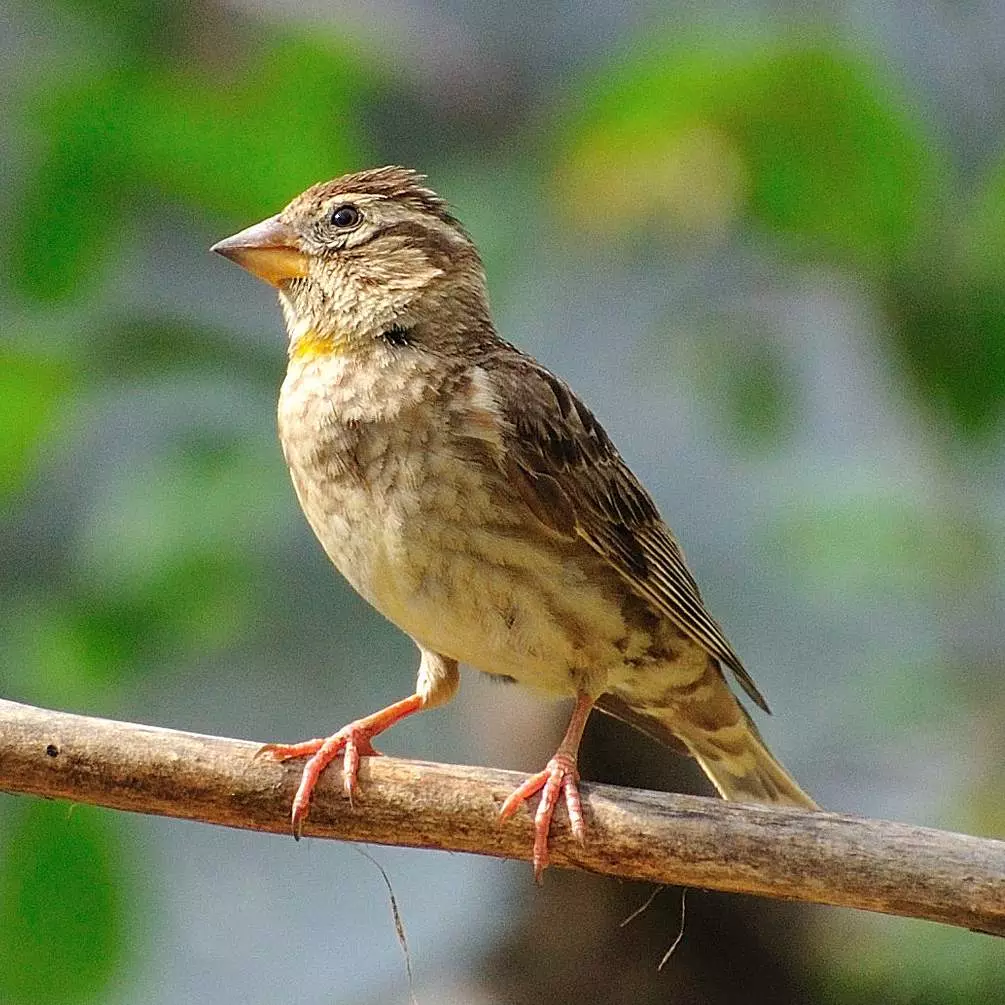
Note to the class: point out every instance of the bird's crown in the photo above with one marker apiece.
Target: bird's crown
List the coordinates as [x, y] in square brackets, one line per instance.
[392, 182]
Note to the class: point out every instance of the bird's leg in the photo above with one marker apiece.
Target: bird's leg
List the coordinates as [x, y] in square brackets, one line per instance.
[560, 777]
[354, 739]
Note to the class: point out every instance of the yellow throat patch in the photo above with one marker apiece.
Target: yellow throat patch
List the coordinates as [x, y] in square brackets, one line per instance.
[310, 345]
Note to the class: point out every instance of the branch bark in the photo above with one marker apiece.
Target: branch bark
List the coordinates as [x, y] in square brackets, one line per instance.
[824, 858]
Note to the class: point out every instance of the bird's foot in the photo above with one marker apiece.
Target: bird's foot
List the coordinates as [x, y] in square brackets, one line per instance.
[352, 741]
[560, 777]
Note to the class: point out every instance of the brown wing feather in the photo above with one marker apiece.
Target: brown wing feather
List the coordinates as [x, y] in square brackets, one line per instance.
[576, 482]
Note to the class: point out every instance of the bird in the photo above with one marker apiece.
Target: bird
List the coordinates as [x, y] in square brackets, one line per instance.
[472, 498]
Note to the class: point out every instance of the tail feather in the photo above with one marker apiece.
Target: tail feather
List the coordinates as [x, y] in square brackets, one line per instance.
[721, 736]
[742, 768]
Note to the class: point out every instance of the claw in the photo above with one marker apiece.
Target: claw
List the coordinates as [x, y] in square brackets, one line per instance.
[353, 741]
[559, 778]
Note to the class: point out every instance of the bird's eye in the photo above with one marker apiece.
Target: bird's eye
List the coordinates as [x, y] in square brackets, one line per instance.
[346, 217]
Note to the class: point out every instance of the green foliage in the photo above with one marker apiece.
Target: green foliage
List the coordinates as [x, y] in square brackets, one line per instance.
[236, 144]
[948, 315]
[809, 141]
[748, 384]
[950, 333]
[921, 963]
[816, 147]
[164, 567]
[64, 649]
[862, 541]
[759, 394]
[290, 112]
[62, 914]
[133, 348]
[32, 388]
[983, 228]
[132, 29]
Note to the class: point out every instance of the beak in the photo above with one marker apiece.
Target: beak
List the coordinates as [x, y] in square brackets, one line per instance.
[267, 250]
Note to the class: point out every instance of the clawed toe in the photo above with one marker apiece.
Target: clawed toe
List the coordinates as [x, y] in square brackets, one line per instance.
[351, 741]
[559, 778]
[289, 751]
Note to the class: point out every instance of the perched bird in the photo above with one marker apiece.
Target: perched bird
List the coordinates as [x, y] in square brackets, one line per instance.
[471, 497]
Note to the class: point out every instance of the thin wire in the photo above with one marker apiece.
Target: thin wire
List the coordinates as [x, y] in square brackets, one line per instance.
[399, 925]
[648, 903]
[639, 910]
[680, 934]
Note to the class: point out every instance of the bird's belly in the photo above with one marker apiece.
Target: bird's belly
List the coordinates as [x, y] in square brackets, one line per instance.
[447, 568]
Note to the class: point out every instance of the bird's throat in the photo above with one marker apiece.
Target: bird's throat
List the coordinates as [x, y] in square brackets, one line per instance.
[307, 343]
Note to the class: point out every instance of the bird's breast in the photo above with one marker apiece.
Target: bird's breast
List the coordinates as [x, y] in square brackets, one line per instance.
[388, 488]
[415, 513]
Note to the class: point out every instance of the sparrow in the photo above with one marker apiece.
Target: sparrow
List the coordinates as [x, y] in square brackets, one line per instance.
[474, 500]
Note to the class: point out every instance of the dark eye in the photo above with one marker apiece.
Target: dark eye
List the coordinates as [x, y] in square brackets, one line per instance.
[346, 217]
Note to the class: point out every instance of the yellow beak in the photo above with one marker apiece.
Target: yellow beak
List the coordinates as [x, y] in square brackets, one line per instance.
[267, 250]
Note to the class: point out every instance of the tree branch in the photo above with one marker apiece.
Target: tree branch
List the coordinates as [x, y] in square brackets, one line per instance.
[825, 858]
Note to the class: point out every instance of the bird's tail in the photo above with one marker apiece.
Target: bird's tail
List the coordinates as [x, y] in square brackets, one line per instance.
[742, 768]
[723, 739]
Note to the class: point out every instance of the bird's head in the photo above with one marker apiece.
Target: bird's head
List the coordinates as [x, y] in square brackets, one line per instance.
[361, 255]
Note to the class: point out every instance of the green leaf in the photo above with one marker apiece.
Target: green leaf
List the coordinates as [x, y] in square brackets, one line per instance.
[236, 144]
[70, 212]
[876, 959]
[241, 145]
[748, 385]
[949, 332]
[866, 541]
[130, 27]
[948, 316]
[137, 346]
[169, 541]
[806, 140]
[62, 650]
[31, 391]
[62, 930]
[983, 229]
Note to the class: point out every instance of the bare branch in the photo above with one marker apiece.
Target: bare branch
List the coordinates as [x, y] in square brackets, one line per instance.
[825, 858]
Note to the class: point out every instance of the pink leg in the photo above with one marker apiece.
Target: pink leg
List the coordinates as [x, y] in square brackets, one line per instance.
[354, 739]
[560, 777]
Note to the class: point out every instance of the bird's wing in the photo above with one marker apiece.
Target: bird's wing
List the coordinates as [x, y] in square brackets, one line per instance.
[575, 482]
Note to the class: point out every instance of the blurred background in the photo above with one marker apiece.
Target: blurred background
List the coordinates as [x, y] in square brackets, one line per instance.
[765, 241]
